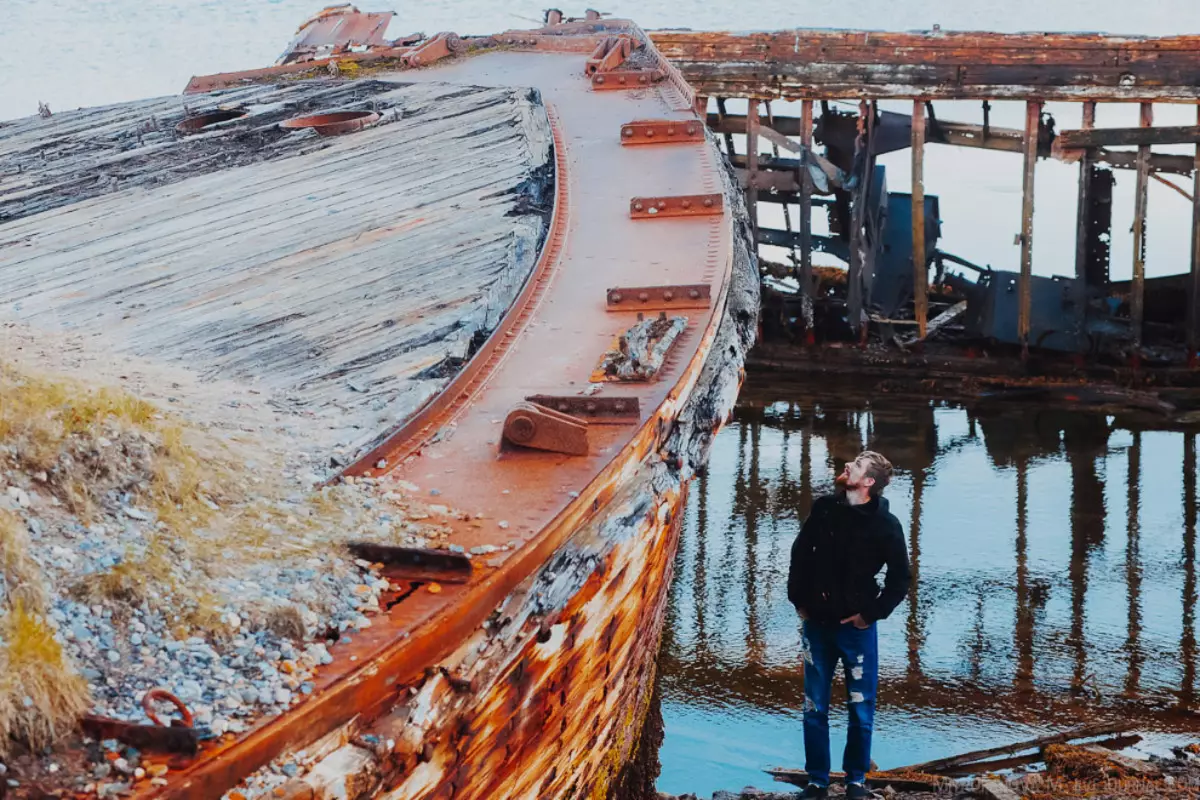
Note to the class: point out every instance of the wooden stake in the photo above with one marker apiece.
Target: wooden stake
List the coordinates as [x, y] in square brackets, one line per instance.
[752, 122]
[920, 278]
[1082, 215]
[1137, 296]
[1193, 321]
[1033, 115]
[806, 272]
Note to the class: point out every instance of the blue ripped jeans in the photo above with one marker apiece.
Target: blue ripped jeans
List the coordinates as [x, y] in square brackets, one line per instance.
[824, 645]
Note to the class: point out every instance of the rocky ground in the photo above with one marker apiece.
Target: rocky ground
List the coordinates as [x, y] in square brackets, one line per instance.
[1067, 773]
[158, 531]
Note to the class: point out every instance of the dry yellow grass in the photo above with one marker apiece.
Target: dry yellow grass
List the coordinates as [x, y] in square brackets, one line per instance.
[20, 579]
[41, 695]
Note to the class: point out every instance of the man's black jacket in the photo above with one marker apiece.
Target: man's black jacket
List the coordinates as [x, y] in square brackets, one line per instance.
[837, 555]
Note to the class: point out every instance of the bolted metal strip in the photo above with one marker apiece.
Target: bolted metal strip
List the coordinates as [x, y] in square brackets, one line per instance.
[661, 131]
[626, 79]
[654, 298]
[688, 205]
[593, 409]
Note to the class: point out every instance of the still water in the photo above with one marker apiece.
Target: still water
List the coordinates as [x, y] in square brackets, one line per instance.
[1054, 561]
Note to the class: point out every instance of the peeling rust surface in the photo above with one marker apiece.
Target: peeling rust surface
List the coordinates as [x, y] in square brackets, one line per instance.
[844, 64]
[335, 30]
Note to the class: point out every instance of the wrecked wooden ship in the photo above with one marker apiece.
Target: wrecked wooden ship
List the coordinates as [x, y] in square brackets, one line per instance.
[509, 270]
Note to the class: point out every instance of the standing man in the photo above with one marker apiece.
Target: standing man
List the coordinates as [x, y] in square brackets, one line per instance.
[846, 540]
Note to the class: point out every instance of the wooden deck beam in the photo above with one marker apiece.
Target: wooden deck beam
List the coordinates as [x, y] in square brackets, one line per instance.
[844, 64]
[1128, 137]
[1137, 294]
[1193, 321]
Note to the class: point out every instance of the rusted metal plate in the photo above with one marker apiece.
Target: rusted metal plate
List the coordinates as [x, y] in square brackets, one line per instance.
[335, 30]
[540, 428]
[655, 298]
[593, 409]
[626, 79]
[414, 562]
[661, 131]
[688, 205]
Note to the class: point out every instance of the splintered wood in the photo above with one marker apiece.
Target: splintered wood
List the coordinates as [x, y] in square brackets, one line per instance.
[639, 353]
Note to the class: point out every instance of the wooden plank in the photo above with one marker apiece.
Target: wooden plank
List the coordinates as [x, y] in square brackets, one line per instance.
[920, 277]
[1137, 296]
[1128, 137]
[997, 790]
[1033, 114]
[875, 780]
[1074, 734]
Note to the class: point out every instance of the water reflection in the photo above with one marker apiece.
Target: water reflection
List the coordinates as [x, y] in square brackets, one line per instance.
[1053, 557]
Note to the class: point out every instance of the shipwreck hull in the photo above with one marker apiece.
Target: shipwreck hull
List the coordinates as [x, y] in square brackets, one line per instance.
[529, 672]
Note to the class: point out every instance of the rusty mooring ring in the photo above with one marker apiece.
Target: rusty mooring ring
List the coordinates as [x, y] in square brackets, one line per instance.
[333, 123]
[163, 694]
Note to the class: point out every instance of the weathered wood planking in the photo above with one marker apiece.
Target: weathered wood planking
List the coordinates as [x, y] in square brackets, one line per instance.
[345, 277]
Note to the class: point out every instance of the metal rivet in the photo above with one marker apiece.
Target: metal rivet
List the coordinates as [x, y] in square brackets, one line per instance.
[693, 294]
[691, 129]
[616, 297]
[662, 203]
[619, 405]
[643, 296]
[598, 79]
[668, 296]
[590, 406]
[642, 79]
[686, 204]
[637, 206]
[621, 79]
[708, 202]
[670, 131]
[627, 132]
[650, 131]
[652, 210]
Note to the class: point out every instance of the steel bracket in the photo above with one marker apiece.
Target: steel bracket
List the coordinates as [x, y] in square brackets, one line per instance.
[608, 55]
[626, 79]
[151, 738]
[594, 409]
[441, 46]
[687, 205]
[654, 298]
[662, 131]
[541, 428]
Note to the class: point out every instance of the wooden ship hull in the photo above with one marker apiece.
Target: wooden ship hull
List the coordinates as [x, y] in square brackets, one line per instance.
[521, 661]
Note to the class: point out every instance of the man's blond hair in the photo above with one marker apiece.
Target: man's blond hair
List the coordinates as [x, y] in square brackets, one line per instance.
[878, 468]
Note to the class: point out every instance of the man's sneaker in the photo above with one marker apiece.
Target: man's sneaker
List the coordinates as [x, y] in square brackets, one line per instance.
[814, 791]
[856, 791]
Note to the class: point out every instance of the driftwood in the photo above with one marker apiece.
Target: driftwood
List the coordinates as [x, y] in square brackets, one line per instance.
[941, 765]
[998, 764]
[875, 780]
[997, 790]
[640, 351]
[1132, 765]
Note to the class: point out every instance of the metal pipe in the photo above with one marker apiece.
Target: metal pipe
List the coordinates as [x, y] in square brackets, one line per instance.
[920, 278]
[1137, 291]
[1033, 116]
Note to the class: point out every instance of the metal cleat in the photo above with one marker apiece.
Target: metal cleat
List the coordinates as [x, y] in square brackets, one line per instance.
[541, 428]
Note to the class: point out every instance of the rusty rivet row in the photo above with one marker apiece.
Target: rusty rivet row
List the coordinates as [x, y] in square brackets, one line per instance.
[698, 295]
